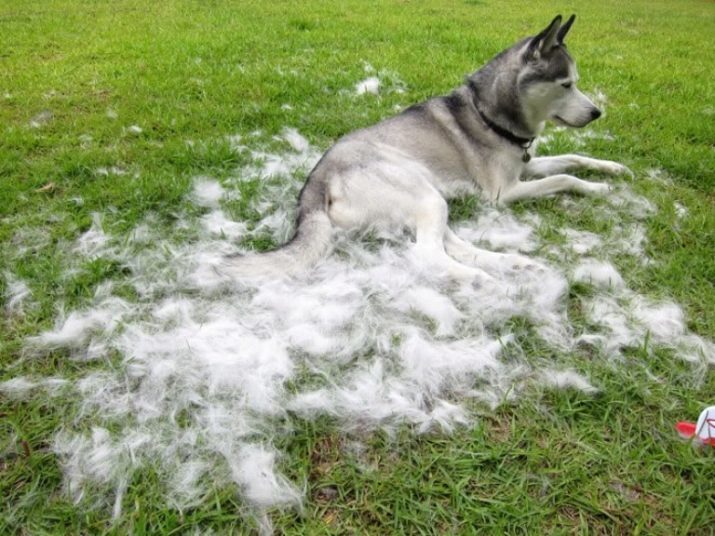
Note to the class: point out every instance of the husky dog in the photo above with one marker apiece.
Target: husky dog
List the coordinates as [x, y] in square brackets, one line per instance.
[477, 140]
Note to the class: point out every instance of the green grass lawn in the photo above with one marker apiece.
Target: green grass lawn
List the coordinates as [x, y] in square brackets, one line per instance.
[75, 77]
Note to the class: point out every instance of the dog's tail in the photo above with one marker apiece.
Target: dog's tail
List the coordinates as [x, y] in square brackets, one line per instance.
[311, 242]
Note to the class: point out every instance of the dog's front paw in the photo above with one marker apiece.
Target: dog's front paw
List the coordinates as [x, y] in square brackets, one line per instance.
[615, 168]
[597, 188]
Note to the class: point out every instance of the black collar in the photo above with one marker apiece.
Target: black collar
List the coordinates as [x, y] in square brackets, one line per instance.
[523, 143]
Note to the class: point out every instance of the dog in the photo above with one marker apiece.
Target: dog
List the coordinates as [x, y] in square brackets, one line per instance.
[478, 140]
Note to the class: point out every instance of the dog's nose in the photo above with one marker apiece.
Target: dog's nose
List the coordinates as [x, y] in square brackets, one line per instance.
[595, 114]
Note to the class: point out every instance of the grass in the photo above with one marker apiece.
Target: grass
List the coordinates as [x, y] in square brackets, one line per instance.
[559, 462]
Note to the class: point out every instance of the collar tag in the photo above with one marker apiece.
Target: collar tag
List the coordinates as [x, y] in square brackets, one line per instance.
[526, 156]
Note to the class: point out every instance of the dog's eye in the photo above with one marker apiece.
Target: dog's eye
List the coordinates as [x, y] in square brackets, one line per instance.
[567, 85]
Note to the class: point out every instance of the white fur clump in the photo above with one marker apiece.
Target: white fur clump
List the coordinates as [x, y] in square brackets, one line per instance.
[379, 81]
[93, 242]
[628, 320]
[21, 387]
[27, 240]
[112, 170]
[370, 85]
[665, 321]
[567, 379]
[296, 140]
[630, 239]
[17, 294]
[212, 370]
[434, 305]
[658, 175]
[500, 230]
[625, 212]
[582, 242]
[637, 206]
[98, 458]
[217, 223]
[598, 273]
[254, 469]
[80, 327]
[681, 211]
[41, 119]
[207, 192]
[281, 165]
[17, 387]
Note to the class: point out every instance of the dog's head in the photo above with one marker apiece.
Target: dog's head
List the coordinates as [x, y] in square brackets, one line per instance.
[547, 82]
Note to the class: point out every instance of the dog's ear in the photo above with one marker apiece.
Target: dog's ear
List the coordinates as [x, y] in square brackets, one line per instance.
[544, 40]
[564, 30]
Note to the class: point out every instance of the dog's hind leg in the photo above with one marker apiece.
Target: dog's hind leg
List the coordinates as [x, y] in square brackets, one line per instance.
[550, 185]
[544, 166]
[430, 221]
[398, 193]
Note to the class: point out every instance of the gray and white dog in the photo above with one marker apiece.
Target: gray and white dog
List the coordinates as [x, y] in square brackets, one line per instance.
[477, 140]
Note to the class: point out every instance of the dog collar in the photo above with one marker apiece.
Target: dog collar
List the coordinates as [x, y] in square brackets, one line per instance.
[524, 143]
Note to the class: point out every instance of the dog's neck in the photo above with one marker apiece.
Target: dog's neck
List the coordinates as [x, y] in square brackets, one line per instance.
[509, 124]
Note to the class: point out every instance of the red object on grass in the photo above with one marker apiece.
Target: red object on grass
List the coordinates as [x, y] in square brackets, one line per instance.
[687, 430]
